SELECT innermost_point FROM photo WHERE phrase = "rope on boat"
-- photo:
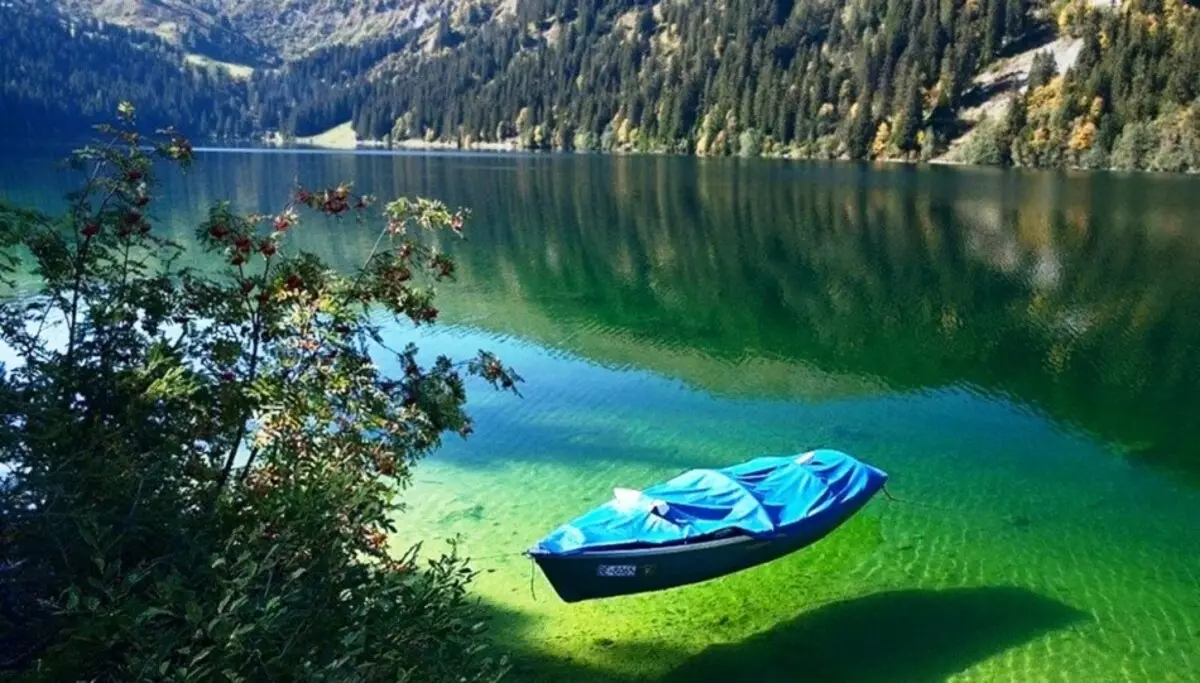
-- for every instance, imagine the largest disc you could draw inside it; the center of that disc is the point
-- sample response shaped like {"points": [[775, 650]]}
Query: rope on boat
{"points": [[532, 592], [497, 556], [532, 566], [889, 495]]}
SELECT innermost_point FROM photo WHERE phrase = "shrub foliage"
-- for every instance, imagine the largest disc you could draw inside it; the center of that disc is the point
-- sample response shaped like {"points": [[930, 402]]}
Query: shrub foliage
{"points": [[204, 467]]}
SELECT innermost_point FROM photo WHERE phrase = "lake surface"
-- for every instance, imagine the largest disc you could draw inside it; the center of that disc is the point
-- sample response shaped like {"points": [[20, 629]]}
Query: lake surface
{"points": [[1021, 352]]}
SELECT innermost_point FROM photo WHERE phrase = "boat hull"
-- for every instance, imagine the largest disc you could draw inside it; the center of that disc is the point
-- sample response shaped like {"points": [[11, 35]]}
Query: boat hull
{"points": [[605, 574]]}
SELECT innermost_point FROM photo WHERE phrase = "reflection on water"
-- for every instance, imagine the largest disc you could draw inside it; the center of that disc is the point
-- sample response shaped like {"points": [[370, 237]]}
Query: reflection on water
{"points": [[992, 339], [1034, 288], [1071, 296]]}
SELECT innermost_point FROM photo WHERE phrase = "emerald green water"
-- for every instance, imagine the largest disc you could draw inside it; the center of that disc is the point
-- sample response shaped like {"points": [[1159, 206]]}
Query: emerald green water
{"points": [[1020, 352]]}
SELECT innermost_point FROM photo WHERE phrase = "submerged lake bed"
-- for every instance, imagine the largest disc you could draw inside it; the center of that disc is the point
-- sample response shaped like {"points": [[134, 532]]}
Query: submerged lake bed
{"points": [[1020, 352]]}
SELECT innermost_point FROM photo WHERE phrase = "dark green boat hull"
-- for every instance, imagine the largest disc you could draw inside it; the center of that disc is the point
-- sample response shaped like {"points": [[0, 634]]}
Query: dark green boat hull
{"points": [[606, 574]]}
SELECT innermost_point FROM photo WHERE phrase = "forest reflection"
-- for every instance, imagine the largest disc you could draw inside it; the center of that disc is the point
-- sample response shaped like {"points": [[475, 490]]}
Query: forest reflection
{"points": [[1071, 295]]}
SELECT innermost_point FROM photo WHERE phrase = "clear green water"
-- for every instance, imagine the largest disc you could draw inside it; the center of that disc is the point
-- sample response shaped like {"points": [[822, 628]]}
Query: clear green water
{"points": [[1020, 352]]}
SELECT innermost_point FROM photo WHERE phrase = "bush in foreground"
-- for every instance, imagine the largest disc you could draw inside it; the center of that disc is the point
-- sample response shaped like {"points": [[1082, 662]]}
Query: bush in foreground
{"points": [[204, 468]]}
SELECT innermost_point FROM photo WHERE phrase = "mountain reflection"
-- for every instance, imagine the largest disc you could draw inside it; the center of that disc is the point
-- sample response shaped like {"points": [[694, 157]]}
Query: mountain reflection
{"points": [[1072, 296], [1075, 296]]}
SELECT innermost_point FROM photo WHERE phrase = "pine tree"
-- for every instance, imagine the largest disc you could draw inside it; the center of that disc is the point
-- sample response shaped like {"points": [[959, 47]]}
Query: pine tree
{"points": [[994, 29], [862, 128], [1042, 69], [910, 118], [1016, 18], [1012, 129]]}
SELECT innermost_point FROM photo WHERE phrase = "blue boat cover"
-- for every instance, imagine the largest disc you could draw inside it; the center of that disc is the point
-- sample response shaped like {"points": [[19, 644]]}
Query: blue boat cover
{"points": [[761, 498]]}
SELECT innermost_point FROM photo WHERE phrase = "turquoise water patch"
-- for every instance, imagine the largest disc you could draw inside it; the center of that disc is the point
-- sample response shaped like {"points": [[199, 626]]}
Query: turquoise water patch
{"points": [[1022, 551]]}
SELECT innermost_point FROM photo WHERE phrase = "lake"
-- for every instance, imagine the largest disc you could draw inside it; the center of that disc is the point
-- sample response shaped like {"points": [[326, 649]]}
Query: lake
{"points": [[1021, 352]]}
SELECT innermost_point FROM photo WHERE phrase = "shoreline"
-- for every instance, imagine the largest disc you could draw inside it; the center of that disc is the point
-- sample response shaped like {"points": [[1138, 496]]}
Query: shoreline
{"points": [[501, 149], [443, 148]]}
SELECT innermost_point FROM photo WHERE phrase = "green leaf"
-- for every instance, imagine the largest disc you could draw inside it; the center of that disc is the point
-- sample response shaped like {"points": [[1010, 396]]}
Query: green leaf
{"points": [[201, 656], [152, 613]]}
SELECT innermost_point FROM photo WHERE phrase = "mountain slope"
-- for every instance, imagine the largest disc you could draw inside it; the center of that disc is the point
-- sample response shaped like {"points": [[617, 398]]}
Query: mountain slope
{"points": [[189, 25], [261, 31], [857, 79], [738, 76], [860, 79], [58, 75]]}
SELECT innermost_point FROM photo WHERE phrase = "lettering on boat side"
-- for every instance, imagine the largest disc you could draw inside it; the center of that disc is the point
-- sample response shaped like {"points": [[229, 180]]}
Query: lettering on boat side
{"points": [[624, 570], [617, 570]]}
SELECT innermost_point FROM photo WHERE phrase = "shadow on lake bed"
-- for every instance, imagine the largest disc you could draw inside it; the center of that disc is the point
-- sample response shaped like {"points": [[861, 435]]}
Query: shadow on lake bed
{"points": [[908, 636]]}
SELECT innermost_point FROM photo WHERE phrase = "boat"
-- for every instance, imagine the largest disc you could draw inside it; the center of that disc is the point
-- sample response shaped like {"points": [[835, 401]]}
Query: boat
{"points": [[704, 523]]}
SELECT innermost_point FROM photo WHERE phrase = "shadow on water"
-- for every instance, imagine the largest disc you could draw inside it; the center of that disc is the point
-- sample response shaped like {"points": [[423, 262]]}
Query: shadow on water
{"points": [[916, 635], [910, 636]]}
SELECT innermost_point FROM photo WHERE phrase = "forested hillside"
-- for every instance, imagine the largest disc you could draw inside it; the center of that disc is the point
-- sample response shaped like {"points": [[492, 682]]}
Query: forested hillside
{"points": [[1129, 102], [58, 76], [852, 79], [742, 76], [192, 25], [260, 31]]}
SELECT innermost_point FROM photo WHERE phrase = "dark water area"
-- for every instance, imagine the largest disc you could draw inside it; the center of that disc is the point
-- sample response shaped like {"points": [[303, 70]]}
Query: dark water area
{"points": [[1020, 351]]}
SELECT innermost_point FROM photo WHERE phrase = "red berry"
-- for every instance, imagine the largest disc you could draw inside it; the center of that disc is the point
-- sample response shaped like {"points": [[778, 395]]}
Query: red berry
{"points": [[142, 200], [237, 260], [267, 248], [132, 217], [218, 231], [294, 282], [282, 224], [247, 286], [134, 174], [90, 230], [242, 244], [226, 376]]}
